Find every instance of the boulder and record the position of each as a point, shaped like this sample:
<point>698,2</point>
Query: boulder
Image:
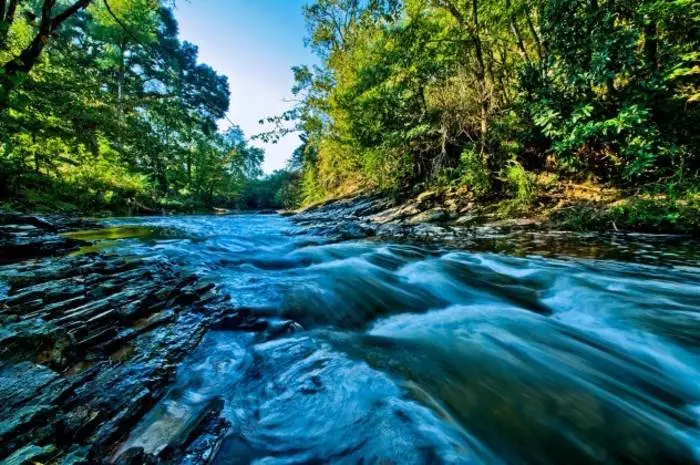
<point>434,215</point>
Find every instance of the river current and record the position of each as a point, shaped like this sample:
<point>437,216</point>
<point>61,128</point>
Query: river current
<point>532,348</point>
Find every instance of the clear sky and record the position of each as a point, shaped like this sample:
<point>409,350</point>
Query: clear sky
<point>254,43</point>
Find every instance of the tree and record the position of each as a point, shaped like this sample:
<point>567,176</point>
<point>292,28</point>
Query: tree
<point>456,90</point>
<point>119,111</point>
<point>50,20</point>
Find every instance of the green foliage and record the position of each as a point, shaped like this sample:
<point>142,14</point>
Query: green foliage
<point>115,109</point>
<point>311,191</point>
<point>630,138</point>
<point>619,88</point>
<point>645,214</point>
<point>521,183</point>
<point>474,174</point>
<point>427,91</point>
<point>279,190</point>
<point>520,186</point>
<point>117,112</point>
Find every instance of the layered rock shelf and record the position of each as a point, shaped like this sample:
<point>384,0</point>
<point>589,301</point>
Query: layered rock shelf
<point>429,216</point>
<point>88,344</point>
<point>26,236</point>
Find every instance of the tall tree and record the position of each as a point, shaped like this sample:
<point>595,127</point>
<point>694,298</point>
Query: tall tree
<point>50,20</point>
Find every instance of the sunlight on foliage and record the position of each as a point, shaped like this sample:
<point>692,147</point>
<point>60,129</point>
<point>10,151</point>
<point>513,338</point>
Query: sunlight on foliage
<point>427,91</point>
<point>113,111</point>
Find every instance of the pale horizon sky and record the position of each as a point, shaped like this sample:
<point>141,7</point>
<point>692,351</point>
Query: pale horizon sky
<point>255,43</point>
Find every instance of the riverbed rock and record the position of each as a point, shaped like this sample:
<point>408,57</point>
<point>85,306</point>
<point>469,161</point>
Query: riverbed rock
<point>350,207</point>
<point>200,439</point>
<point>466,220</point>
<point>426,199</point>
<point>430,216</point>
<point>434,215</point>
<point>514,223</point>
<point>88,344</point>
<point>31,454</point>
<point>31,236</point>
<point>396,214</point>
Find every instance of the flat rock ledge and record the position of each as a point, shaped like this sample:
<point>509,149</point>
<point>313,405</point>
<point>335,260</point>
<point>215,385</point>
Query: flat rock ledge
<point>31,236</point>
<point>89,343</point>
<point>429,217</point>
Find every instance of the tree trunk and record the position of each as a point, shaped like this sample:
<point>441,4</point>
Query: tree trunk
<point>516,31</point>
<point>480,72</point>
<point>501,79</point>
<point>120,95</point>
<point>535,37</point>
<point>651,45</point>
<point>7,17</point>
<point>473,29</point>
<point>37,163</point>
<point>591,24</point>
<point>189,166</point>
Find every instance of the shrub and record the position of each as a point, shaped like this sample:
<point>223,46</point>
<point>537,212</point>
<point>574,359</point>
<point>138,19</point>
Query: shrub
<point>473,173</point>
<point>521,184</point>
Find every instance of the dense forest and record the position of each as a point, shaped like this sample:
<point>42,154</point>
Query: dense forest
<point>105,109</point>
<point>102,106</point>
<point>506,98</point>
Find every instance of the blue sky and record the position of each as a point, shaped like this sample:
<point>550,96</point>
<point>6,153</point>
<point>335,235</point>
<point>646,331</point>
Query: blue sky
<point>254,43</point>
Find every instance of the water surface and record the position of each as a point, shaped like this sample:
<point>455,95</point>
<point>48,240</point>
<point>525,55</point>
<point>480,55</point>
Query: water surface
<point>528,348</point>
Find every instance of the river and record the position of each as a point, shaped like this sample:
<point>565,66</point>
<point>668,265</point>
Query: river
<point>532,348</point>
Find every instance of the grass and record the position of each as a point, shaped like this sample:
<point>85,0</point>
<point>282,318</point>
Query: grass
<point>636,213</point>
<point>591,206</point>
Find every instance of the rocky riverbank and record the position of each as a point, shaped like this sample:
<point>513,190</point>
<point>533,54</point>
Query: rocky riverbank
<point>89,342</point>
<point>431,216</point>
<point>453,216</point>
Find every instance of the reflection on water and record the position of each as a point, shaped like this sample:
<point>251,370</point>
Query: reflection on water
<point>122,232</point>
<point>105,238</point>
<point>550,353</point>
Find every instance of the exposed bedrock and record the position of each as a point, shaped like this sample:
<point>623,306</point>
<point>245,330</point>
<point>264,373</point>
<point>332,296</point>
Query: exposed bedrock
<point>88,344</point>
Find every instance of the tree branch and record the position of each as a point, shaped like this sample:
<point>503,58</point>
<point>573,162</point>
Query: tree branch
<point>122,24</point>
<point>31,53</point>
<point>68,12</point>
<point>7,17</point>
<point>11,10</point>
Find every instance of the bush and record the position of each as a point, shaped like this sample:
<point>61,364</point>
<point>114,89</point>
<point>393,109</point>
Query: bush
<point>311,190</point>
<point>473,173</point>
<point>521,184</point>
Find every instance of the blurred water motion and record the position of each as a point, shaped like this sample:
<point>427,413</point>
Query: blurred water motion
<point>544,354</point>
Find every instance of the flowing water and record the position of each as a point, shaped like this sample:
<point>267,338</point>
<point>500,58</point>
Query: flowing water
<point>531,348</point>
